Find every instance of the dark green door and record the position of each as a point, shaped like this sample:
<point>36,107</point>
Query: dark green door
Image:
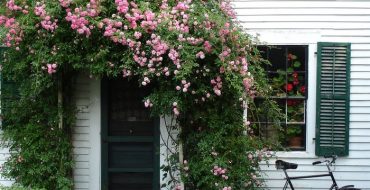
<point>130,151</point>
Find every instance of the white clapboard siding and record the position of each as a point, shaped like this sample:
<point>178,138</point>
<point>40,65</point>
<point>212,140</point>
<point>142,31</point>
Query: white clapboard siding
<point>4,154</point>
<point>166,136</point>
<point>80,135</point>
<point>86,134</point>
<point>281,22</point>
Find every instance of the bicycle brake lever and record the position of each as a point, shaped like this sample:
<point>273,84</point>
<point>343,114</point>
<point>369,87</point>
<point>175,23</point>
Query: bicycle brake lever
<point>334,158</point>
<point>329,156</point>
<point>317,162</point>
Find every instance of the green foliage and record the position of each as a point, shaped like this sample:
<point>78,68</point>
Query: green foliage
<point>18,187</point>
<point>293,131</point>
<point>204,93</point>
<point>40,151</point>
<point>215,137</point>
<point>290,82</point>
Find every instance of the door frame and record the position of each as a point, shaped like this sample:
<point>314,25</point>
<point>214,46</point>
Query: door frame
<point>104,144</point>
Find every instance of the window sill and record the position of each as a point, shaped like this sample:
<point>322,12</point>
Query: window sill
<point>295,154</point>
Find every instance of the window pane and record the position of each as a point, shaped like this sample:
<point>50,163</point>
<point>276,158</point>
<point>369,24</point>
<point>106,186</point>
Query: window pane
<point>277,57</point>
<point>287,76</point>
<point>262,115</point>
<point>299,54</point>
<point>278,81</point>
<point>270,132</point>
<point>296,83</point>
<point>295,136</point>
<point>296,110</point>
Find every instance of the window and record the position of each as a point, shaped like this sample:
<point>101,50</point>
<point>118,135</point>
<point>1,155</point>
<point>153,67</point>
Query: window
<point>288,78</point>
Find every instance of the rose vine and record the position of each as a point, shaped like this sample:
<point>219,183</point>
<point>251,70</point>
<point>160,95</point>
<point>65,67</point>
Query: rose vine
<point>198,60</point>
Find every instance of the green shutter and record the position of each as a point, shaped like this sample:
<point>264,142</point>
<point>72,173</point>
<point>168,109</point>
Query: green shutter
<point>333,83</point>
<point>8,93</point>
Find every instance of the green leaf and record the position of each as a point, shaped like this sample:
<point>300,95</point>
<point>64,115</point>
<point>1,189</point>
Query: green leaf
<point>281,72</point>
<point>296,64</point>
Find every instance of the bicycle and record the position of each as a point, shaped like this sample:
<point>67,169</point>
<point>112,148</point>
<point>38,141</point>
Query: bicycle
<point>280,164</point>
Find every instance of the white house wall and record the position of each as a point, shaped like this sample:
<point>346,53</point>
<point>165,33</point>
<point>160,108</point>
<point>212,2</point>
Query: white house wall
<point>86,135</point>
<point>4,154</point>
<point>277,23</point>
<point>306,23</point>
<point>167,146</point>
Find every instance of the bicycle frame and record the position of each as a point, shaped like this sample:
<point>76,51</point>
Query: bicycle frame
<point>289,182</point>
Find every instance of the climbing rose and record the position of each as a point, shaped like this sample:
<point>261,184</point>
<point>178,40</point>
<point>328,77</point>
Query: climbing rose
<point>207,47</point>
<point>51,68</point>
<point>122,6</point>
<point>176,111</point>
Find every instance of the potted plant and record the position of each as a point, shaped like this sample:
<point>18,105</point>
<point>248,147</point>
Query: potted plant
<point>289,82</point>
<point>294,136</point>
<point>295,110</point>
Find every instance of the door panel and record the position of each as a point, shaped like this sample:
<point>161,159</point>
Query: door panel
<point>130,128</point>
<point>130,149</point>
<point>127,114</point>
<point>131,155</point>
<point>130,181</point>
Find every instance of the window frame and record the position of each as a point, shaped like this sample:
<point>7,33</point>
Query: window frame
<point>285,124</point>
<point>310,40</point>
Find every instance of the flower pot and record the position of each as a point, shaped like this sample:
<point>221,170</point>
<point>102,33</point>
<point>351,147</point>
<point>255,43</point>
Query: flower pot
<point>295,142</point>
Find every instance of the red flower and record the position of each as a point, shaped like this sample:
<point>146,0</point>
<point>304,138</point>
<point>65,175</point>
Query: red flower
<point>295,82</point>
<point>288,87</point>
<point>291,102</point>
<point>303,89</point>
<point>295,74</point>
<point>290,56</point>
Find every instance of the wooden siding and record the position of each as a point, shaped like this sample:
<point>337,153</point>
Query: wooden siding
<point>4,154</point>
<point>309,22</point>
<point>80,136</point>
<point>86,134</point>
<point>166,136</point>
<point>278,22</point>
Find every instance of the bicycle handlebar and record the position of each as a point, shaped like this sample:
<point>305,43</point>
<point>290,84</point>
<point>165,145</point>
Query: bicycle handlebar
<point>317,162</point>
<point>333,158</point>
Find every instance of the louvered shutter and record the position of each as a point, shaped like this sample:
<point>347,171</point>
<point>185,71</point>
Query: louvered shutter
<point>333,82</point>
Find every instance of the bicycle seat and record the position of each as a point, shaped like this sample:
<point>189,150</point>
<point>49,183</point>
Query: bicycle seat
<point>285,165</point>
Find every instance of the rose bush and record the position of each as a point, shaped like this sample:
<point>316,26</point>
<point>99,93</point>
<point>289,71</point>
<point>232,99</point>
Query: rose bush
<point>199,61</point>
